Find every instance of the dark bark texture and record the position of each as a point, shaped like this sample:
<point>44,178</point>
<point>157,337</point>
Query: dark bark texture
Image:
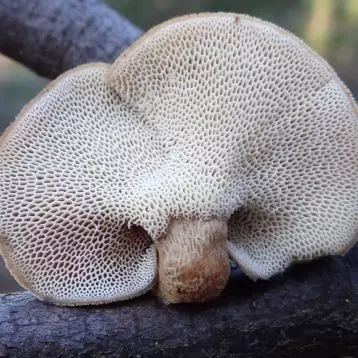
<point>310,311</point>
<point>52,36</point>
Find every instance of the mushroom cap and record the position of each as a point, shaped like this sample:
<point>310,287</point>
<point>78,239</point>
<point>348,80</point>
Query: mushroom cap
<point>211,116</point>
<point>261,128</point>
<point>63,233</point>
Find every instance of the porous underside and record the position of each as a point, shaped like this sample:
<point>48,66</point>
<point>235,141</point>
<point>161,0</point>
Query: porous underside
<point>69,165</point>
<point>260,125</point>
<point>207,116</point>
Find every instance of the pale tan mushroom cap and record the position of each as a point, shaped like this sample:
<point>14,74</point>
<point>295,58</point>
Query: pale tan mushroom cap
<point>64,210</point>
<point>209,116</point>
<point>256,126</point>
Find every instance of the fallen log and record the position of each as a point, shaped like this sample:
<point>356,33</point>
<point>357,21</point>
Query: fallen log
<point>310,311</point>
<point>50,37</point>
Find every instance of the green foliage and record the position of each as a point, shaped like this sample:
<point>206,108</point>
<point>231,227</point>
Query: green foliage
<point>147,13</point>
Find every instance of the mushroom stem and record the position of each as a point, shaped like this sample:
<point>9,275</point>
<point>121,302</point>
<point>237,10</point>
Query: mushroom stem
<point>193,261</point>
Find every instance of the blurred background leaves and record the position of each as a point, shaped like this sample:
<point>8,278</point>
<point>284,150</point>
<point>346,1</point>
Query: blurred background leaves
<point>329,26</point>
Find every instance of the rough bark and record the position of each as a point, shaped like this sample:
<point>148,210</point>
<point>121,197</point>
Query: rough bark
<point>50,37</point>
<point>310,311</point>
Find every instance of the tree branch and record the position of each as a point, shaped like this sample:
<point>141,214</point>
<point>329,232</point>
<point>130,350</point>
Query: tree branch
<point>50,37</point>
<point>312,310</point>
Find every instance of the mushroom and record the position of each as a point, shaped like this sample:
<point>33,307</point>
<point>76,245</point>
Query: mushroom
<point>65,235</point>
<point>214,135</point>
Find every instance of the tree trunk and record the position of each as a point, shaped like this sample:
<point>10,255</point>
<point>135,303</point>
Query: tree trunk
<point>310,311</point>
<point>52,36</point>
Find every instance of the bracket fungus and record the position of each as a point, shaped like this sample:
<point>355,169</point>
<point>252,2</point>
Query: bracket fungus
<point>214,136</point>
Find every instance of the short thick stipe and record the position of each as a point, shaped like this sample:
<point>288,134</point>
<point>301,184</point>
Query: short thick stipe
<point>193,261</point>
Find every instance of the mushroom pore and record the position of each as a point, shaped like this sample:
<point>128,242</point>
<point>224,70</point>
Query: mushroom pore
<point>213,136</point>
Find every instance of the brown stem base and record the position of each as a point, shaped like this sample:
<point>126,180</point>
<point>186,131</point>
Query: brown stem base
<point>193,261</point>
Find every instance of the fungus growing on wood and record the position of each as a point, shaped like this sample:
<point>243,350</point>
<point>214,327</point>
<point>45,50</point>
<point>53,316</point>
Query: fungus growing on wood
<point>214,135</point>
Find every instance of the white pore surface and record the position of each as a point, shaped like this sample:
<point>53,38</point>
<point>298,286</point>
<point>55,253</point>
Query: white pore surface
<point>256,126</point>
<point>211,116</point>
<point>64,227</point>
